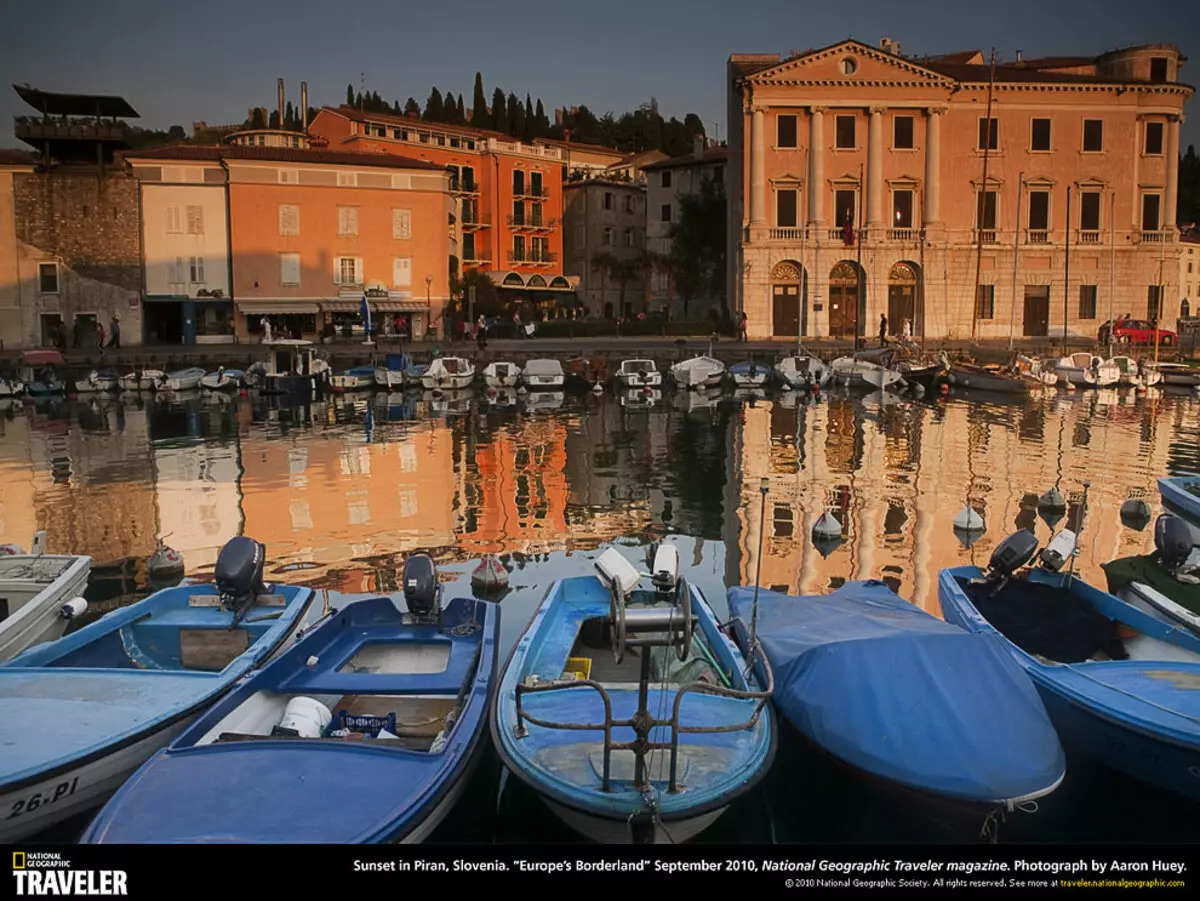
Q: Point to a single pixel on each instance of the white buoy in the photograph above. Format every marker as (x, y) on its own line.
(598, 388)
(1052, 500)
(827, 526)
(489, 575)
(969, 520)
(73, 608)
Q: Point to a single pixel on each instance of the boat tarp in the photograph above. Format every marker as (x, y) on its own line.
(543, 368)
(903, 695)
(1122, 573)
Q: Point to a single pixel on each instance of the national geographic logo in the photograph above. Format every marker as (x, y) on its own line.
(47, 873)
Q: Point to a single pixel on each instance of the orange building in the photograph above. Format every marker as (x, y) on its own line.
(309, 233)
(509, 193)
(865, 183)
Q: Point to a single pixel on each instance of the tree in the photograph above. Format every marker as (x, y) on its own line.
(433, 106)
(273, 120)
(397, 109)
(698, 244)
(449, 107)
(349, 95)
(487, 298)
(358, 100)
(530, 123)
(289, 115)
(543, 122)
(412, 108)
(499, 116)
(516, 117)
(479, 112)
(176, 133)
(1188, 197)
(256, 118)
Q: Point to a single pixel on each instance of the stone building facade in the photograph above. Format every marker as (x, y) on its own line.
(864, 183)
(603, 217)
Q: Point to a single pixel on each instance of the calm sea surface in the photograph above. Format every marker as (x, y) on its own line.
(340, 492)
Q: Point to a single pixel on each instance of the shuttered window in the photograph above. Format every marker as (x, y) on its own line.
(195, 220)
(347, 221)
(289, 219)
(401, 224)
(289, 268)
(402, 272)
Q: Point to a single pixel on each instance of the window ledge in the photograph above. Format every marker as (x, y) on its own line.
(1032, 150)
(847, 149)
(904, 149)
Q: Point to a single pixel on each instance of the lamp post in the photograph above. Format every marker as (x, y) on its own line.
(428, 302)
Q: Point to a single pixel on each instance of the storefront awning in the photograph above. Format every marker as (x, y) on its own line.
(275, 308)
(377, 306)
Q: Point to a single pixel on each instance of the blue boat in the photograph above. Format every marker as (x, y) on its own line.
(80, 714)
(750, 374)
(1119, 683)
(628, 710)
(380, 709)
(39, 373)
(1182, 493)
(911, 701)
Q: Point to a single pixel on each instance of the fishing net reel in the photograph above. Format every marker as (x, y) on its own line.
(673, 624)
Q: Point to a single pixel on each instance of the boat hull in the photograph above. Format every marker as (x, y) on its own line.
(33, 625)
(631, 380)
(92, 386)
(543, 382)
(1174, 493)
(495, 381)
(986, 381)
(390, 379)
(447, 382)
(617, 832)
(745, 380)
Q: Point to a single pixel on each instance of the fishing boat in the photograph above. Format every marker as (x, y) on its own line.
(1182, 493)
(291, 367)
(1179, 375)
(1165, 583)
(396, 373)
(1038, 372)
(853, 372)
(501, 375)
(927, 374)
(184, 379)
(98, 380)
(802, 371)
(356, 378)
(638, 374)
(448, 373)
(11, 386)
(1118, 682)
(977, 378)
(39, 373)
(1135, 373)
(110, 694)
(543, 375)
(628, 710)
(382, 708)
(750, 374)
(223, 379)
(1087, 370)
(913, 703)
(40, 595)
(698, 372)
(489, 575)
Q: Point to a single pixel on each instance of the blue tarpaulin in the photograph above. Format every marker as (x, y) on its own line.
(903, 695)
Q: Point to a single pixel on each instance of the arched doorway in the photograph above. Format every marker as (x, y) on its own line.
(845, 282)
(789, 300)
(905, 299)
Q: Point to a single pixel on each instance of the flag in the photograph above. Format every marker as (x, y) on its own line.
(848, 233)
(364, 312)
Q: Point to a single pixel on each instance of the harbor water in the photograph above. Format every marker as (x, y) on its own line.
(340, 491)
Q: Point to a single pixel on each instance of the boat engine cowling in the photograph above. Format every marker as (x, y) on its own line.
(665, 568)
(239, 572)
(1173, 540)
(1013, 552)
(1058, 551)
(421, 586)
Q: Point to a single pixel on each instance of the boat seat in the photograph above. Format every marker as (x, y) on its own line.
(326, 680)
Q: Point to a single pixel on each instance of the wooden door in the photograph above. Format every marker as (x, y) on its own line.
(1036, 323)
(785, 311)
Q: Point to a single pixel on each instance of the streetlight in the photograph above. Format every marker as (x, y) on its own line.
(428, 302)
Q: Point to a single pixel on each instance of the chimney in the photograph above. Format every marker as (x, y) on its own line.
(304, 106)
(1018, 57)
(281, 103)
(698, 146)
(885, 44)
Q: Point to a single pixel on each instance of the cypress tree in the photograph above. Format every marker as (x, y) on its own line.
(349, 95)
(499, 116)
(479, 112)
(434, 110)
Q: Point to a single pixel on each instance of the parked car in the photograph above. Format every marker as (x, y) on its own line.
(1136, 331)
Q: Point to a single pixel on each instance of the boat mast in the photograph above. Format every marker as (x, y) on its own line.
(1012, 306)
(982, 207)
(1067, 273)
(1112, 267)
(1158, 298)
(860, 299)
(763, 485)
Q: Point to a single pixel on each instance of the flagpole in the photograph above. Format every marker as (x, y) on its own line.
(366, 318)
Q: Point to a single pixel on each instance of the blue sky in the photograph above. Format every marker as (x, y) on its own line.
(179, 62)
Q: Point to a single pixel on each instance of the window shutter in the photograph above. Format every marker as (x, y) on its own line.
(358, 270)
(402, 272)
(337, 270)
(195, 220)
(401, 224)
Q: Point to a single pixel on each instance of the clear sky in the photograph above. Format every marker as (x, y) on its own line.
(177, 62)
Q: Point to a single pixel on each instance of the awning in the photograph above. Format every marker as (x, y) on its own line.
(275, 308)
(380, 306)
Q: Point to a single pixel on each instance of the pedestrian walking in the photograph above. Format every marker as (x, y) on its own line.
(114, 332)
(742, 326)
(882, 330)
(100, 338)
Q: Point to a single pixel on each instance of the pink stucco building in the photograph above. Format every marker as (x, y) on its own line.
(865, 183)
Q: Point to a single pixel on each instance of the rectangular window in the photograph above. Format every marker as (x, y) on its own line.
(518, 247)
(174, 220)
(666, 212)
(607, 239)
(175, 272)
(1093, 135)
(844, 132)
(1158, 69)
(468, 178)
(785, 131)
(629, 237)
(1150, 204)
(535, 215)
(902, 209)
(985, 302)
(195, 220)
(401, 224)
(608, 200)
(1089, 211)
(1154, 138)
(1039, 210)
(518, 213)
(518, 181)
(629, 205)
(1039, 138)
(402, 272)
(289, 219)
(989, 134)
(347, 271)
(785, 208)
(985, 210)
(535, 184)
(666, 180)
(845, 205)
(1087, 301)
(469, 246)
(347, 179)
(902, 133)
(289, 176)
(1154, 304)
(289, 269)
(347, 221)
(48, 278)
(196, 270)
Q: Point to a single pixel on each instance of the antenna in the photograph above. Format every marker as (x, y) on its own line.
(764, 485)
(1079, 529)
(362, 90)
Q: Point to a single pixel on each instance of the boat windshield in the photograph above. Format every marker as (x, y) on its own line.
(638, 365)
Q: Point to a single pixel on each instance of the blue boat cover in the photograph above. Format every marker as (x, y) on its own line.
(903, 695)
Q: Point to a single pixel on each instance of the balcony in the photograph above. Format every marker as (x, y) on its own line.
(984, 236)
(531, 258)
(531, 192)
(469, 188)
(905, 235)
(1158, 236)
(1087, 235)
(520, 223)
(786, 234)
(473, 220)
(477, 258)
(1037, 236)
(539, 224)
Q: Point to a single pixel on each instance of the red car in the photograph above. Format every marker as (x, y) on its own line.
(1136, 331)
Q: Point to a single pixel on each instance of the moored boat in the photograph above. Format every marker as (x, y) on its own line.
(39, 373)
(501, 375)
(382, 705)
(397, 372)
(1087, 370)
(1182, 493)
(356, 378)
(1136, 373)
(223, 379)
(1179, 375)
(1039, 372)
(638, 374)
(98, 380)
(543, 375)
(698, 372)
(40, 595)
(292, 366)
(977, 378)
(853, 372)
(750, 374)
(110, 694)
(448, 374)
(857, 670)
(11, 386)
(1165, 583)
(593, 701)
(802, 371)
(184, 379)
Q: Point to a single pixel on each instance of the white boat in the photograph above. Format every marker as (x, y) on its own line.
(223, 379)
(750, 374)
(143, 380)
(39, 596)
(10, 386)
(356, 378)
(1136, 373)
(639, 374)
(855, 373)
(802, 371)
(1041, 372)
(1087, 370)
(448, 374)
(698, 372)
(501, 375)
(292, 366)
(183, 379)
(97, 381)
(389, 379)
(1179, 374)
(544, 375)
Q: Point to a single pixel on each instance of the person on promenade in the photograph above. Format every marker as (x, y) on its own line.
(114, 333)
(742, 326)
(481, 333)
(100, 338)
(882, 330)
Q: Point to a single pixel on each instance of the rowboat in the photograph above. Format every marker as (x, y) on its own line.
(698, 372)
(858, 373)
(184, 379)
(1136, 373)
(97, 381)
(1165, 583)
(628, 710)
(501, 375)
(110, 694)
(398, 372)
(638, 374)
(965, 375)
(356, 378)
(1182, 493)
(543, 375)
(448, 373)
(40, 594)
(383, 708)
(802, 371)
(750, 374)
(1086, 370)
(223, 379)
(1179, 375)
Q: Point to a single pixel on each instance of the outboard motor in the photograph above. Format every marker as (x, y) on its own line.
(1173, 540)
(239, 573)
(665, 568)
(422, 594)
(1055, 555)
(1013, 552)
